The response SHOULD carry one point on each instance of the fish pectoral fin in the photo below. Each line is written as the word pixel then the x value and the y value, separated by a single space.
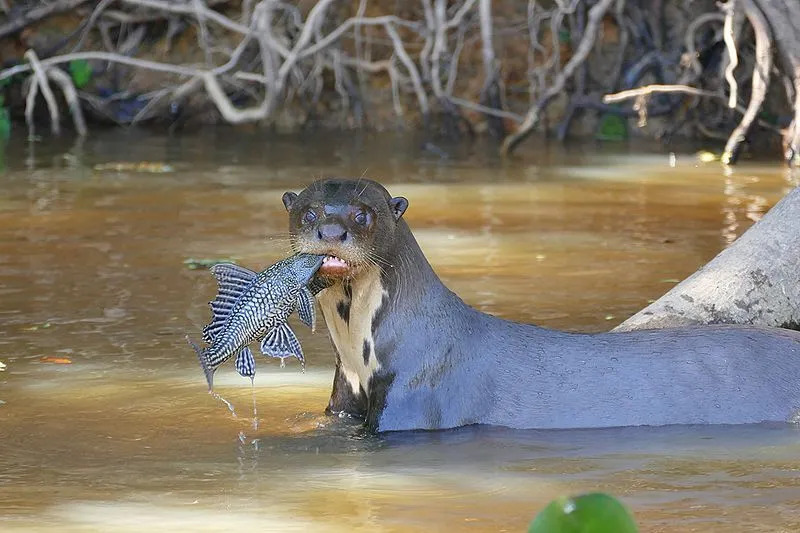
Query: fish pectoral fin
pixel 246 363
pixel 305 308
pixel 281 342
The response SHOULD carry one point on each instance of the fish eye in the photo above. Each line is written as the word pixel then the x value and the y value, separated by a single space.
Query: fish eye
pixel 361 218
pixel 309 217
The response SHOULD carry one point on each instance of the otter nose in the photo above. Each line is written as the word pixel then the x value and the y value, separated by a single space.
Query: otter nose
pixel 331 233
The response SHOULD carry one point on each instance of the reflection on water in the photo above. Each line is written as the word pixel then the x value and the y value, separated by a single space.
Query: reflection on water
pixel 105 422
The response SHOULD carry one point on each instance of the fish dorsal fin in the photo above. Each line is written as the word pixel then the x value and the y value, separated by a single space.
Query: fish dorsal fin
pixel 234 275
pixel 233 280
pixel 246 363
pixel 281 342
pixel 305 308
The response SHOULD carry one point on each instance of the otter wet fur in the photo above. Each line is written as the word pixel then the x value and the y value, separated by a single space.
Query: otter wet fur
pixel 250 306
pixel 410 354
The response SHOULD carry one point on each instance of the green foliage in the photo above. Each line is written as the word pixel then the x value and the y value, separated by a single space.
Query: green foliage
pixel 587 513
pixel 612 128
pixel 5 124
pixel 81 72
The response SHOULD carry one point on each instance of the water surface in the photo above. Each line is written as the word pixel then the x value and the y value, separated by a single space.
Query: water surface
pixel 105 423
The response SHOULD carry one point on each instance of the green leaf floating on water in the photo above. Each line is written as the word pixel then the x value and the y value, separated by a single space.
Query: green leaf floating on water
pixel 588 513
pixel 81 72
pixel 198 263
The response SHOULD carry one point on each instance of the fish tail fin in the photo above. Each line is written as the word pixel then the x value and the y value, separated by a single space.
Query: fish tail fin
pixel 201 356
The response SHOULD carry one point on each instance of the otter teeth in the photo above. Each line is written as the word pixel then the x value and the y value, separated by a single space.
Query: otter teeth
pixel 334 261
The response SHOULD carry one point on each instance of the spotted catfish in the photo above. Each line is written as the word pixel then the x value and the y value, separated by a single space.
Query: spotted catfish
pixel 250 306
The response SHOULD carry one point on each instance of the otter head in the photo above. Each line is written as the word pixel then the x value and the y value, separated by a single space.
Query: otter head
pixel 351 222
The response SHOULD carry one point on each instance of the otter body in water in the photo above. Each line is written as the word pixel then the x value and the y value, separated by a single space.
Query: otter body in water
pixel 412 355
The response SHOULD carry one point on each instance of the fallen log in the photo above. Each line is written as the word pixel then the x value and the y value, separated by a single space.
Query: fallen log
pixel 756 280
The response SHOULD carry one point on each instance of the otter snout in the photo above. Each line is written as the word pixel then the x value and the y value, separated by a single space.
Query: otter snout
pixel 333 233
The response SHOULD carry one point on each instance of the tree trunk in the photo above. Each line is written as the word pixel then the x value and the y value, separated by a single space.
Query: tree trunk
pixel 754 281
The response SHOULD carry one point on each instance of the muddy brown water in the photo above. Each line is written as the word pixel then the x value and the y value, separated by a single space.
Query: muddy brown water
pixel 105 423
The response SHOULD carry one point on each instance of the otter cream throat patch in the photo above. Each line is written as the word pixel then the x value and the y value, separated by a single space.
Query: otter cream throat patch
pixel 349 309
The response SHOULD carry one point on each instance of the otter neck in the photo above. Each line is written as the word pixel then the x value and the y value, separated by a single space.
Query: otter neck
pixel 354 309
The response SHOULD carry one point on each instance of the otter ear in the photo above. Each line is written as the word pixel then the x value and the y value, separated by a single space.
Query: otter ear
pixel 288 199
pixel 398 206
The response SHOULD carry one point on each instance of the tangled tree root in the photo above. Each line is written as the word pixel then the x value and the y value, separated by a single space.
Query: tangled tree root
pixel 256 58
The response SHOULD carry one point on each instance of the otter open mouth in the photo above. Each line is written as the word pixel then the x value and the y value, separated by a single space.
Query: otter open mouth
pixel 333 266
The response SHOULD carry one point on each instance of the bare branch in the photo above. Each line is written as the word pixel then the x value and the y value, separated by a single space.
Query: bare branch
pixel 462 12
pixel 38 13
pixel 486 110
pixel 760 83
pixel 30 103
pixel 401 53
pixel 596 14
pixel 105 56
pixel 439 30
pixel 730 44
pixel 334 36
pixel 41 78
pixel 191 9
pixel 650 89
pixel 71 96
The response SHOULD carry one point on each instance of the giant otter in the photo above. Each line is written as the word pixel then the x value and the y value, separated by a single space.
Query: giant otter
pixel 411 354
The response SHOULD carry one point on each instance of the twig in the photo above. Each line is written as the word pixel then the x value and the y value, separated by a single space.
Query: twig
pixel 691 50
pixel 596 14
pixel 334 36
pixel 460 14
pixel 730 44
pixel 439 29
pixel 191 9
pixel 105 56
pixel 760 82
pixel 650 89
pixel 486 110
pixel 41 76
pixel 71 96
pixel 30 102
pixel 151 103
pixel 452 73
pixel 359 45
pixel 490 93
pixel 199 9
pixel 643 92
pixel 90 23
pixel 401 53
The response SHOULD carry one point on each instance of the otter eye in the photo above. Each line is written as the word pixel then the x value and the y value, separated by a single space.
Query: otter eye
pixel 360 218
pixel 309 217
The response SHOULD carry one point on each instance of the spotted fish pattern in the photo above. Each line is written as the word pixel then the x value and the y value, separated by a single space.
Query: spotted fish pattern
pixel 250 306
